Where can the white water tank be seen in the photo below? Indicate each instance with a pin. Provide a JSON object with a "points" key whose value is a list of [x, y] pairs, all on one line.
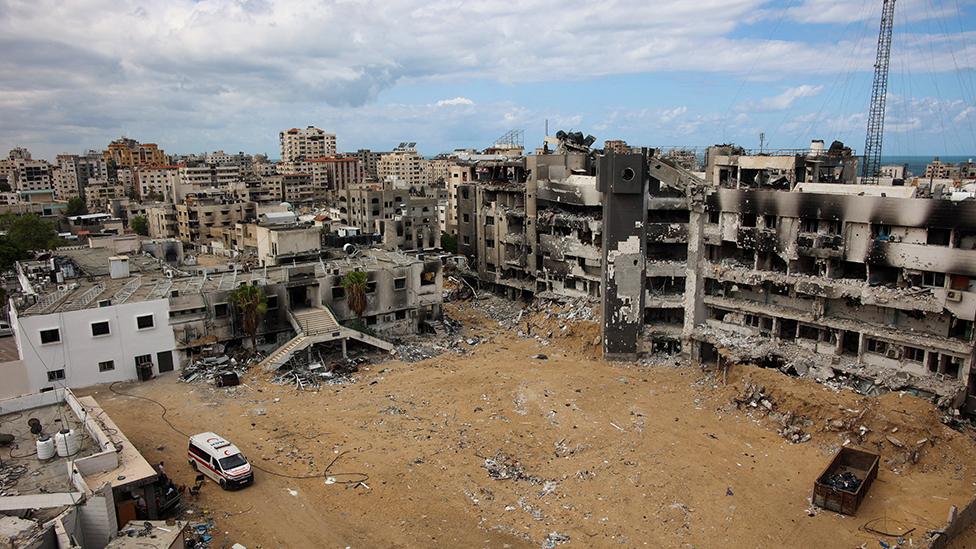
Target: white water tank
{"points": [[66, 442], [816, 147], [45, 448]]}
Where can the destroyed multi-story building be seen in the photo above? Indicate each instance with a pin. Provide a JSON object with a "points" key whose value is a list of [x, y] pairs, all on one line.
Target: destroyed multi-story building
{"points": [[789, 263], [89, 316], [403, 221]]}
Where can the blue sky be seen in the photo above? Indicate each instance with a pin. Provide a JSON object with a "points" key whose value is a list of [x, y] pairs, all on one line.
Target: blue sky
{"points": [[229, 74]]}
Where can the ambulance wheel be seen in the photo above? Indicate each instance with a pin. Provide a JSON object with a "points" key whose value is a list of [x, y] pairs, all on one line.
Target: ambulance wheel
{"points": [[222, 483], [194, 465]]}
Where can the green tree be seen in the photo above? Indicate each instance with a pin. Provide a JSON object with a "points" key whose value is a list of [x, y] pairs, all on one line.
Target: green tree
{"points": [[355, 285], [251, 304], [140, 225], [76, 206], [21, 234], [449, 243]]}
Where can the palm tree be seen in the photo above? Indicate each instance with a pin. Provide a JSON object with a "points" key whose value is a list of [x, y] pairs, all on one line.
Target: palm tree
{"points": [[355, 285], [251, 304]]}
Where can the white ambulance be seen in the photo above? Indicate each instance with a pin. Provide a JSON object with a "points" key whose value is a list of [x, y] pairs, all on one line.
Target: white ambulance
{"points": [[220, 460]]}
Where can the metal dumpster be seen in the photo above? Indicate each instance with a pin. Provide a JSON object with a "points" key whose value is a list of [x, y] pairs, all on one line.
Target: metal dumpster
{"points": [[834, 490]]}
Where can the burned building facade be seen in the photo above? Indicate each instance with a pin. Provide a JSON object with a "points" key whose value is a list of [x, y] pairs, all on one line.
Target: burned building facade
{"points": [[785, 265]]}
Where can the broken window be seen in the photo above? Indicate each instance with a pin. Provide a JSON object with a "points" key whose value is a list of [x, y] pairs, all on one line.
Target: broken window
{"points": [[106, 366], [55, 375], [769, 221], [489, 220], [220, 310], [808, 332], [877, 346], [400, 283], [952, 366], [880, 231], [914, 354], [714, 216], [338, 292], [808, 225], [933, 280], [748, 220], [938, 237], [961, 329], [144, 322], [489, 243], [272, 302]]}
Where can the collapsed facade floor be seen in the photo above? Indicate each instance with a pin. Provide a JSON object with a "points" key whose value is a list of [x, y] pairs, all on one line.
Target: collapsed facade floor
{"points": [[607, 454]]}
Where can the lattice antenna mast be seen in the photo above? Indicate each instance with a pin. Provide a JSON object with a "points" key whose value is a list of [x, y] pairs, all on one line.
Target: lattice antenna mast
{"points": [[879, 94]]}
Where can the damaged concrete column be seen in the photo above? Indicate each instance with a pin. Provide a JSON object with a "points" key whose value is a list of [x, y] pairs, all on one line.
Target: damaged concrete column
{"points": [[623, 181]]}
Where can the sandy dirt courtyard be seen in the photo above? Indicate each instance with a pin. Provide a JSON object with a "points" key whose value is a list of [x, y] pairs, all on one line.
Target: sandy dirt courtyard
{"points": [[496, 448]]}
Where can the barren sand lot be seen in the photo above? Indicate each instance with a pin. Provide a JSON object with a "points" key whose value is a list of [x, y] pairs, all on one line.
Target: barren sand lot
{"points": [[580, 452]]}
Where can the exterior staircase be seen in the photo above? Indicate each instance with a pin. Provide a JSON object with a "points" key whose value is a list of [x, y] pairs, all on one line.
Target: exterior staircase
{"points": [[312, 326]]}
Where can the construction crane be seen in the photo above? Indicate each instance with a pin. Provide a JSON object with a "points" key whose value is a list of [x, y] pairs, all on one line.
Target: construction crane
{"points": [[879, 94]]}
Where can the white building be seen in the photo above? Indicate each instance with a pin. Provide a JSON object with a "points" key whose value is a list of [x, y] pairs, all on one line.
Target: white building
{"points": [[308, 143], [95, 337]]}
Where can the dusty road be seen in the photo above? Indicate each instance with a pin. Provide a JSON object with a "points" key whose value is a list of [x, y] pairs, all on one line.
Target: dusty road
{"points": [[600, 454]]}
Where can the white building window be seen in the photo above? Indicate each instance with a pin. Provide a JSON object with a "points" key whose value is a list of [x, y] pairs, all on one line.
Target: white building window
{"points": [[145, 322], [100, 328], [50, 336], [55, 375], [106, 366]]}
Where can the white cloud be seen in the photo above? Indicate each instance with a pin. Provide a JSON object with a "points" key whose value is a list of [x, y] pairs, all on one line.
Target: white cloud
{"points": [[668, 115], [783, 100], [212, 73], [457, 101], [964, 114]]}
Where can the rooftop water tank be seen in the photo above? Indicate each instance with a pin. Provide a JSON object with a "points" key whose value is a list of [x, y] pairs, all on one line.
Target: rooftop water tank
{"points": [[45, 448], [66, 442]]}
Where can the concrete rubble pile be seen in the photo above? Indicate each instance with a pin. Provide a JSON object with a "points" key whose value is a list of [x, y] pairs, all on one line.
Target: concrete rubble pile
{"points": [[446, 337], [827, 369], [755, 397], [222, 370], [310, 371]]}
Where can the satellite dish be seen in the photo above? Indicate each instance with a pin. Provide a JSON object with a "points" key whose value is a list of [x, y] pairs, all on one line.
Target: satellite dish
{"points": [[350, 249]]}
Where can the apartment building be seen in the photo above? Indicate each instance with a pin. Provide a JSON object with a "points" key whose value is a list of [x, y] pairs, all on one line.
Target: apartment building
{"points": [[197, 218], [99, 193], [24, 173], [404, 167], [404, 221], [129, 153], [311, 142], [156, 183], [74, 171], [162, 221], [336, 173], [219, 176], [937, 169], [369, 161]]}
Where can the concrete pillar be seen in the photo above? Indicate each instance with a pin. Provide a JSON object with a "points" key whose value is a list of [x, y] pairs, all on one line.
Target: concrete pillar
{"points": [[623, 181], [344, 354], [694, 280]]}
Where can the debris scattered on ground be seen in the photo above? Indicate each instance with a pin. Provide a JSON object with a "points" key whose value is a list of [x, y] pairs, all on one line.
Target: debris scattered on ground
{"points": [[309, 370], [553, 539], [221, 370], [9, 475]]}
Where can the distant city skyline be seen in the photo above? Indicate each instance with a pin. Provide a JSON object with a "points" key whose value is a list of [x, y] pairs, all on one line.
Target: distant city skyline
{"points": [[221, 74]]}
